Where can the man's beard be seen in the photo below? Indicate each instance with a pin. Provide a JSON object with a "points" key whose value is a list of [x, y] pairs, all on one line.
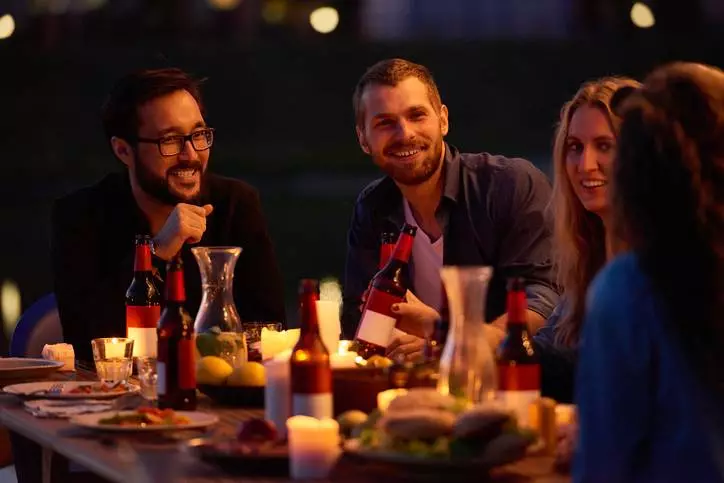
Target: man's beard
{"points": [[159, 188], [422, 172]]}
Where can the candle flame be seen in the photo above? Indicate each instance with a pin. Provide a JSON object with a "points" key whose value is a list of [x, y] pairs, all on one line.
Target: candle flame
{"points": [[343, 347]]}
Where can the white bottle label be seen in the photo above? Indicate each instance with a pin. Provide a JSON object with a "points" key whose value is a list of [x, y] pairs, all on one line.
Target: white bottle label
{"points": [[314, 405], [377, 322], [144, 341], [161, 377]]}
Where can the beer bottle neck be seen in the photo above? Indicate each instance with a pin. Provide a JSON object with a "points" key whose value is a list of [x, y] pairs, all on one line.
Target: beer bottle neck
{"points": [[142, 262], [403, 249], [517, 308], [175, 287], [308, 312]]}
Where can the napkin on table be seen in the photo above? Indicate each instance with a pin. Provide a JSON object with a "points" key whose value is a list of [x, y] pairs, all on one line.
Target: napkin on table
{"points": [[61, 353]]}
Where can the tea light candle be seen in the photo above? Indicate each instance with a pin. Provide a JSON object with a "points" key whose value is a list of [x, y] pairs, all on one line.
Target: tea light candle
{"points": [[343, 361], [313, 446], [565, 414], [115, 348], [384, 398], [277, 395], [343, 346]]}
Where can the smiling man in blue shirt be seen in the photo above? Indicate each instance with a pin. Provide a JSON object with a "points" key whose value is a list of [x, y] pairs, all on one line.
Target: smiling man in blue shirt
{"points": [[470, 209]]}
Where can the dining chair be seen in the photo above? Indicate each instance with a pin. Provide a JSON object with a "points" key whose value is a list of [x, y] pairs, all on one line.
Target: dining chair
{"points": [[37, 326]]}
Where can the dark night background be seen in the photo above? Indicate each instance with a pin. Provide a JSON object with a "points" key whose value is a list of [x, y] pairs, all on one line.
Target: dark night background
{"points": [[279, 94]]}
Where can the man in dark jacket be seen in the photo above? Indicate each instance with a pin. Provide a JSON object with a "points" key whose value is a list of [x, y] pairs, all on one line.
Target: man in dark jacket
{"points": [[155, 125], [470, 209]]}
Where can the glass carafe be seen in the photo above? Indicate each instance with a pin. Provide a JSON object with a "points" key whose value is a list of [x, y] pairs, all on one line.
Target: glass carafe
{"points": [[467, 365], [217, 325]]}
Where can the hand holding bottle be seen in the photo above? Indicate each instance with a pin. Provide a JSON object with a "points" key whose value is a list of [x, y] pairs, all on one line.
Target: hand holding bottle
{"points": [[415, 317], [186, 223]]}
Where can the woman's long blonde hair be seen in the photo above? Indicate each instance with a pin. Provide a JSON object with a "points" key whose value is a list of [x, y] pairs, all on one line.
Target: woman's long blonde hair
{"points": [[579, 235]]}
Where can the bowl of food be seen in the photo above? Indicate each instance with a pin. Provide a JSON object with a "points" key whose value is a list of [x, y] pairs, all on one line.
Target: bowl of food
{"points": [[241, 386], [428, 431]]}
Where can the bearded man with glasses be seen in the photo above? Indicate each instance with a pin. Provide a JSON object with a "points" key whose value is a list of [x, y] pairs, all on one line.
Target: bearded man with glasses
{"points": [[155, 125]]}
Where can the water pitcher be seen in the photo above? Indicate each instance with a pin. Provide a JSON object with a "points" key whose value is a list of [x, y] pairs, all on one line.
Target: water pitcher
{"points": [[217, 325], [467, 365]]}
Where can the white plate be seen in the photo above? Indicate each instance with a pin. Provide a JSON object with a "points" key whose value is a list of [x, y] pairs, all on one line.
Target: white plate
{"points": [[31, 389], [23, 367], [198, 420]]}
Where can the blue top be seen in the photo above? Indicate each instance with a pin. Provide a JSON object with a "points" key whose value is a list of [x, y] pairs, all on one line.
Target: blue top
{"points": [[643, 416], [493, 212]]}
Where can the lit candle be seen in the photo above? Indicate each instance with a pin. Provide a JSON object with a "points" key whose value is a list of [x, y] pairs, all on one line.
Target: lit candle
{"points": [[343, 361], [116, 348], [329, 324], [384, 398], [343, 346], [313, 446], [565, 414]]}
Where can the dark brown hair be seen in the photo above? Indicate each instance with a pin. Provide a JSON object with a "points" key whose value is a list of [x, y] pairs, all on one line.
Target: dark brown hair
{"points": [[120, 111], [390, 72], [669, 203]]}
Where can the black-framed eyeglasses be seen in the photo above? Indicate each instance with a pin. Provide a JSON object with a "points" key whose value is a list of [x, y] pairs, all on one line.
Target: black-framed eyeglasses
{"points": [[201, 140]]}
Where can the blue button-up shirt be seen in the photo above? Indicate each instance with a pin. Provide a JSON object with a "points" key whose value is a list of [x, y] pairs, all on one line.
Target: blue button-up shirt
{"points": [[493, 212]]}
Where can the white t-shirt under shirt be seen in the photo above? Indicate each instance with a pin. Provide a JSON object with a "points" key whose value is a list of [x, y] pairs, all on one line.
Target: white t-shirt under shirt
{"points": [[426, 264]]}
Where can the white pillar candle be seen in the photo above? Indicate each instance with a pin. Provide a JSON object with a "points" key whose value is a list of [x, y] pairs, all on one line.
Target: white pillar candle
{"points": [[329, 324], [277, 396], [384, 398], [313, 446]]}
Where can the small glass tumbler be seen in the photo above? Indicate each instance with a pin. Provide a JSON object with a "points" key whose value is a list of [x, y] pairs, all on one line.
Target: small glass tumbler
{"points": [[148, 377], [113, 357]]}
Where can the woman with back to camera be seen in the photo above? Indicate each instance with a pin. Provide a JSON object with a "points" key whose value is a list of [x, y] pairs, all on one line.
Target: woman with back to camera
{"points": [[583, 153], [650, 389]]}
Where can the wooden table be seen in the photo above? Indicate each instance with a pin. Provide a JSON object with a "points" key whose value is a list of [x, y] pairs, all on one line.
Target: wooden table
{"points": [[161, 458]]}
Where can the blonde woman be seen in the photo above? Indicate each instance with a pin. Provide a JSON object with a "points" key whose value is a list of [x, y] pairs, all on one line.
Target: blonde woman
{"points": [[585, 146]]}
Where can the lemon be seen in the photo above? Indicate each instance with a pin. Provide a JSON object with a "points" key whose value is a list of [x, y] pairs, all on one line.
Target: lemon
{"points": [[212, 370], [249, 374]]}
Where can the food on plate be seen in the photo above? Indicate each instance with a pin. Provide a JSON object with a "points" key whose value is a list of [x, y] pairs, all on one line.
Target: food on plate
{"points": [[256, 430], [423, 398], [97, 387], [422, 424], [506, 448], [349, 420], [212, 370], [248, 374], [427, 424], [143, 417], [482, 422]]}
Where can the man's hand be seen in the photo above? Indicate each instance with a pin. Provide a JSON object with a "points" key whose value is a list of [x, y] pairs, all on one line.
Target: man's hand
{"points": [[415, 317], [407, 347], [185, 224]]}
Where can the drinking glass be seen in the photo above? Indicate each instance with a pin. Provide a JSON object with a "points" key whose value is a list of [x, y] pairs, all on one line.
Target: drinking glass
{"points": [[113, 357], [252, 333], [147, 375]]}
